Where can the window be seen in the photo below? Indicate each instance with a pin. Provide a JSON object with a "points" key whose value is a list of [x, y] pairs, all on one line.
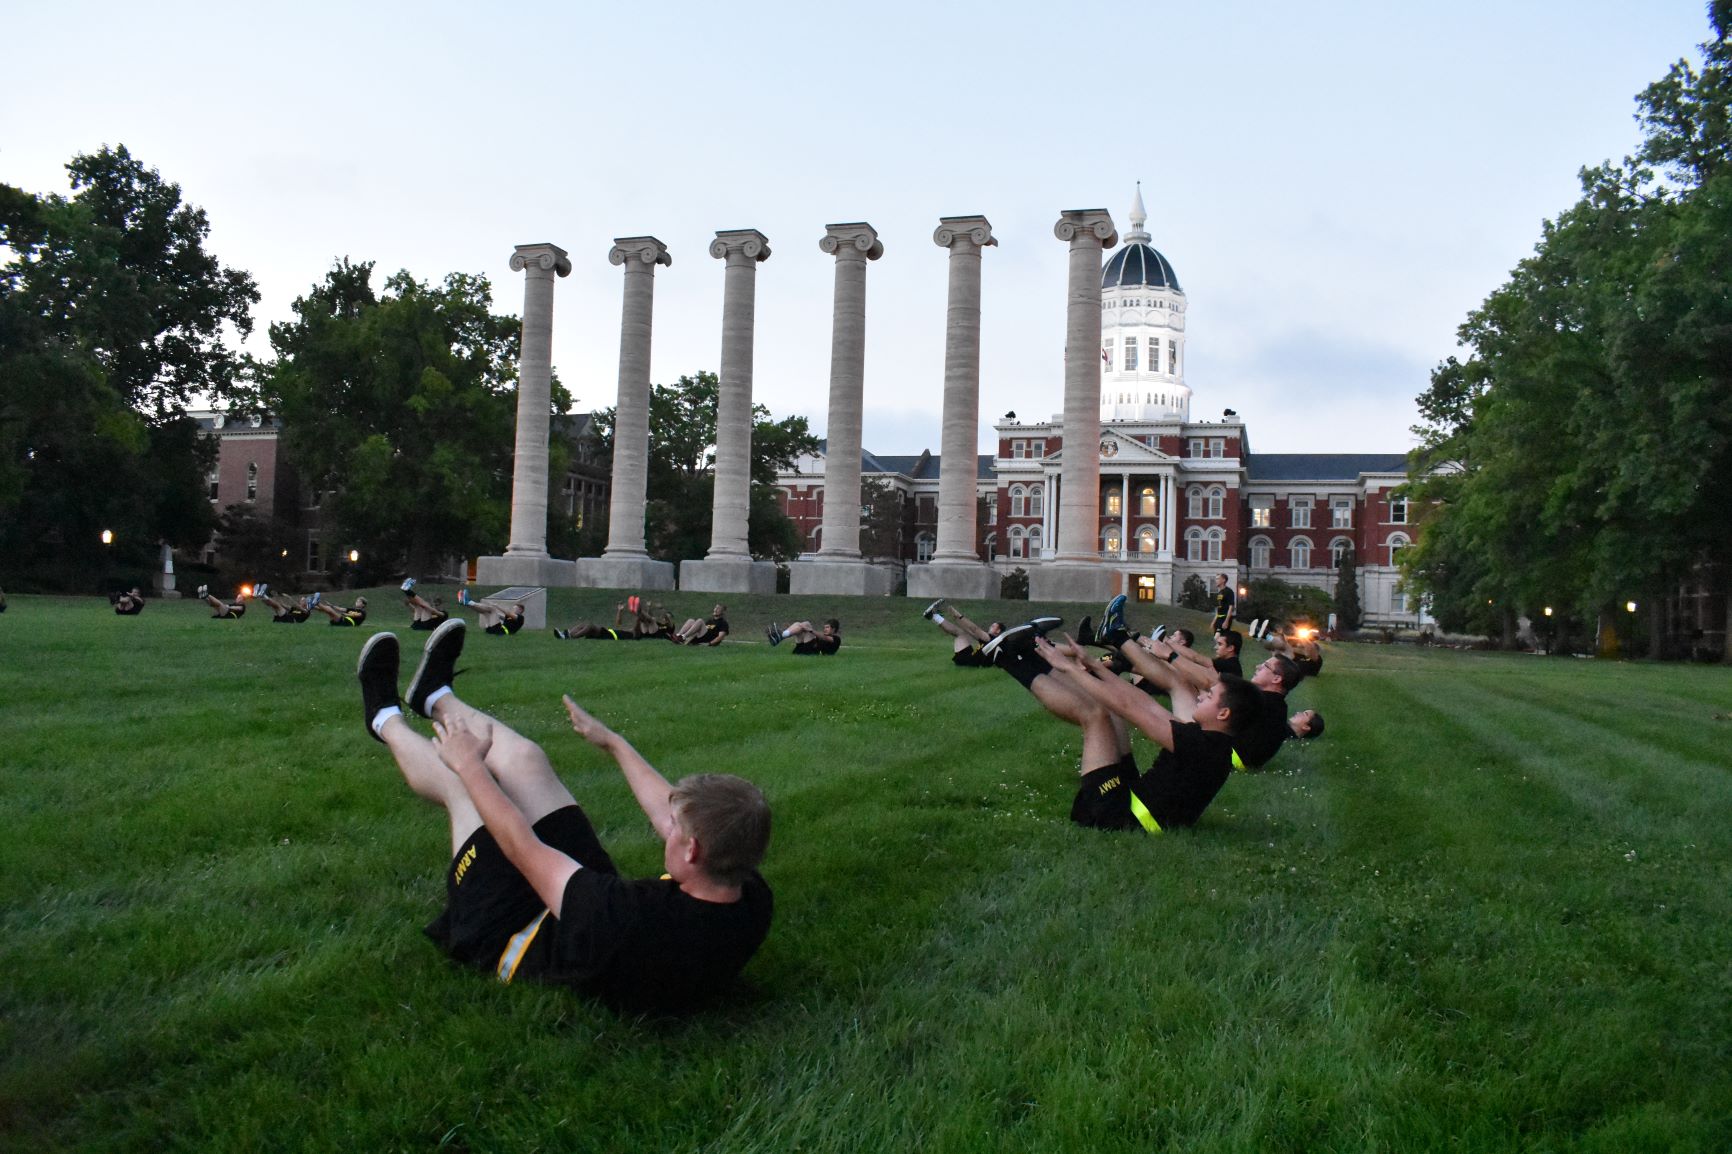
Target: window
{"points": [[1146, 501], [1037, 449], [1194, 502], [212, 480], [1217, 447], [1300, 508], [923, 546], [1107, 353], [1016, 536], [1018, 449], [1193, 544], [1260, 552], [1398, 510], [1173, 357], [1114, 503], [1147, 539], [1261, 517], [1017, 496], [992, 508], [1341, 513], [1217, 503], [313, 565], [817, 539], [1130, 354], [1033, 540], [1299, 553], [1338, 549], [991, 545], [1154, 354], [1398, 601], [1195, 447], [1036, 499], [1396, 543], [252, 481], [1110, 539]]}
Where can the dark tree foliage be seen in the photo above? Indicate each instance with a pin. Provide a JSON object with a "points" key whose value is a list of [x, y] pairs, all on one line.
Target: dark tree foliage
{"points": [[402, 406], [884, 513], [113, 319], [1346, 602], [681, 471], [1194, 594], [1283, 602], [1581, 454]]}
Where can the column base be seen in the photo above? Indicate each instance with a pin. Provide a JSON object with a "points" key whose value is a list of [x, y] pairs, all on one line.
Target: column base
{"points": [[846, 578], [625, 573], [972, 582], [730, 575], [526, 570], [1059, 582]]}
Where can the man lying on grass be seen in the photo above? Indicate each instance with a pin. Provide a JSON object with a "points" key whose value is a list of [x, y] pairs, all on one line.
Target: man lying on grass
{"points": [[531, 892], [1195, 736]]}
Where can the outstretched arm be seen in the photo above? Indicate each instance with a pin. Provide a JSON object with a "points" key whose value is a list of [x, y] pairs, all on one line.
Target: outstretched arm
{"points": [[648, 786], [1128, 702], [545, 868]]}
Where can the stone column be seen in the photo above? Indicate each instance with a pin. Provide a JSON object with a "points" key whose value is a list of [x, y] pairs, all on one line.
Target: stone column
{"points": [[956, 569], [728, 566], [526, 561], [839, 567], [625, 564], [1075, 573]]}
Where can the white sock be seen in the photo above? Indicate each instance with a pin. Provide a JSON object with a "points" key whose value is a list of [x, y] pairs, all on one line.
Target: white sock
{"points": [[381, 717], [938, 617], [436, 695], [787, 633]]}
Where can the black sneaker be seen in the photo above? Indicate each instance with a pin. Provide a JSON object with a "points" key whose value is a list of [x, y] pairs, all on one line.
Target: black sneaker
{"points": [[562, 634], [1113, 638], [1085, 631], [1016, 641], [438, 666], [1045, 625], [774, 634], [932, 608], [377, 672]]}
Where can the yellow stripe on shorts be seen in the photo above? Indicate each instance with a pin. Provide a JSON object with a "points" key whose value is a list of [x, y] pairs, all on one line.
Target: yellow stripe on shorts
{"points": [[1237, 764], [517, 947], [1143, 815]]}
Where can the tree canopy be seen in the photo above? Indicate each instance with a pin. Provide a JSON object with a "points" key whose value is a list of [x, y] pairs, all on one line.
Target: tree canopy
{"points": [[680, 483], [401, 406], [113, 319], [1581, 452]]}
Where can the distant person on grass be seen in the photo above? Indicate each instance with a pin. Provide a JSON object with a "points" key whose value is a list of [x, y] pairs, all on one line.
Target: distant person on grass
{"points": [[530, 892], [714, 631], [497, 618], [967, 637], [351, 618], [1195, 736], [1226, 604], [808, 642], [284, 610], [128, 604], [223, 610], [423, 614], [647, 624]]}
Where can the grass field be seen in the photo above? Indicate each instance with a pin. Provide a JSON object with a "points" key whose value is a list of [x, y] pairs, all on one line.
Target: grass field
{"points": [[1491, 910]]}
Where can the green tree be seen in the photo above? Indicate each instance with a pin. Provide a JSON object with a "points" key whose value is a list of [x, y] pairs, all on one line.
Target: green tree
{"points": [[1194, 593], [402, 407], [1346, 600], [113, 319], [883, 519], [680, 482]]}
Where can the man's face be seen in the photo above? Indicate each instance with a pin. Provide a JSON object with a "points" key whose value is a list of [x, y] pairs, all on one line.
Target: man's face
{"points": [[718, 611], [1212, 702], [995, 629], [1268, 677], [1222, 647], [829, 629], [1220, 582]]}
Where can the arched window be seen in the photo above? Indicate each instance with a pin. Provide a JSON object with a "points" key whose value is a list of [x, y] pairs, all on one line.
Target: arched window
{"points": [[1017, 496], [1260, 552], [1299, 553], [1147, 539], [1034, 540], [923, 546], [1036, 498], [1193, 544], [1194, 502], [1146, 500], [815, 539], [1396, 543], [1217, 502], [1112, 501], [1338, 549], [1215, 538], [1111, 542], [991, 545], [1015, 536]]}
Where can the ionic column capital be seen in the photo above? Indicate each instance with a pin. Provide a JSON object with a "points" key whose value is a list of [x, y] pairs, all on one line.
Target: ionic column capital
{"points": [[854, 241], [639, 250], [975, 229], [543, 257], [741, 245], [1076, 223]]}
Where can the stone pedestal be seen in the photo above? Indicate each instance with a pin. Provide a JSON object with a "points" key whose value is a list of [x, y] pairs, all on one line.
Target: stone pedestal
{"points": [[640, 573], [1056, 581], [842, 578], [962, 582], [548, 572], [164, 579], [728, 575]]}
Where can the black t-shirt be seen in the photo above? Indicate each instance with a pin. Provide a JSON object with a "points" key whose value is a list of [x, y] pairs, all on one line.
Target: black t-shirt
{"points": [[1185, 779], [827, 646], [716, 626], [646, 944], [1229, 665], [1225, 599], [1268, 730]]}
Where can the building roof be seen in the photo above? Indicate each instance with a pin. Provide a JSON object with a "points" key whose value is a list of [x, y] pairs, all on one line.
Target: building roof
{"points": [[916, 467], [1321, 466], [1139, 264]]}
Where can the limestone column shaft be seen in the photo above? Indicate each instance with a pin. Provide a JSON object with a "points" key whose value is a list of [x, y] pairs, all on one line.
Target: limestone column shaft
{"points": [[625, 527], [741, 249], [534, 397], [1089, 231], [965, 237], [852, 245]]}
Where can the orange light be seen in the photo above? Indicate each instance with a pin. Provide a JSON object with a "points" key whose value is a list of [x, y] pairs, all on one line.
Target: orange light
{"points": [[1304, 632], [246, 591]]}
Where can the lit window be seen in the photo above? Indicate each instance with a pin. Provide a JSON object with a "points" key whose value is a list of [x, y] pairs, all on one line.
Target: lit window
{"points": [[1110, 540], [1146, 501], [1262, 518], [1146, 539], [1114, 502]]}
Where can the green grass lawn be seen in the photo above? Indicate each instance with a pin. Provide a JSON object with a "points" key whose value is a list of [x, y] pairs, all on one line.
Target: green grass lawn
{"points": [[1491, 910]]}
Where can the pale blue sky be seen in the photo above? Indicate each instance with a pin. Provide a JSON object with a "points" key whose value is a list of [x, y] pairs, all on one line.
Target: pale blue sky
{"points": [[1337, 184]]}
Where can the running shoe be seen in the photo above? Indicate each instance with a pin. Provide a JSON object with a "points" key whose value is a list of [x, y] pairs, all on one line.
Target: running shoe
{"points": [[408, 585], [1013, 642], [774, 633], [463, 597], [315, 599], [203, 591], [1045, 625], [1113, 616], [1085, 631], [932, 608], [438, 666], [377, 672]]}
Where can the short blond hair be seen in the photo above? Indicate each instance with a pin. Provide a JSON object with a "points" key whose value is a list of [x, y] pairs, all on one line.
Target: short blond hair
{"points": [[728, 817]]}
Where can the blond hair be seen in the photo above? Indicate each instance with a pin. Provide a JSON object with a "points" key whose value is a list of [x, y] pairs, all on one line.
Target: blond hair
{"points": [[728, 817]]}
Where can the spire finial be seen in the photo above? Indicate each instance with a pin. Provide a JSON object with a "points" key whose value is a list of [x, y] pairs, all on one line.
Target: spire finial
{"points": [[1139, 216]]}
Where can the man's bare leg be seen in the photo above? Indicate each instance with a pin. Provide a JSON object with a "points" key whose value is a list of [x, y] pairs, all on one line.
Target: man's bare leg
{"points": [[1105, 739], [429, 778], [519, 765]]}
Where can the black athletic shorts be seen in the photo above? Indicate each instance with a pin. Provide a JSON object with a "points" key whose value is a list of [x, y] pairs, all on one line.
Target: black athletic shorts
{"points": [[1103, 799], [970, 659], [500, 630], [233, 613], [430, 622], [487, 900]]}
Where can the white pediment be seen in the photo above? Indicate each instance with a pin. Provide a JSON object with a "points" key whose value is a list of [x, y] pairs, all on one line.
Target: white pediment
{"points": [[1118, 451]]}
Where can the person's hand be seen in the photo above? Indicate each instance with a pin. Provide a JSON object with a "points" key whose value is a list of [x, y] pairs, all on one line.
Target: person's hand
{"points": [[461, 748], [1064, 659], [586, 726]]}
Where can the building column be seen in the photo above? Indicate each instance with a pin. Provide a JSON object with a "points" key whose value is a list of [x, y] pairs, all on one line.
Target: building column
{"points": [[839, 567], [956, 569], [728, 566], [625, 564], [1124, 514], [1076, 573], [526, 560]]}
